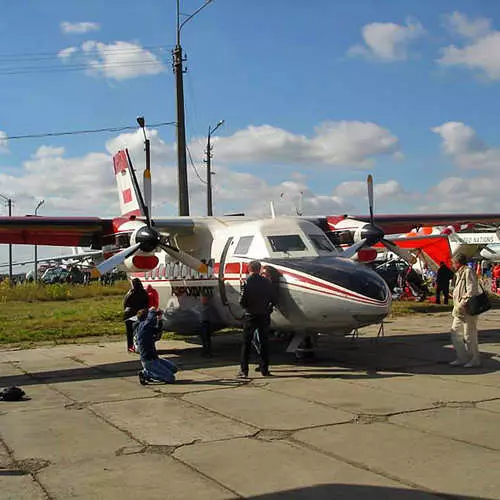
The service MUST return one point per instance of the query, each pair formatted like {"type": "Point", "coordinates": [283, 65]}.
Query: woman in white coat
{"type": "Point", "coordinates": [464, 326]}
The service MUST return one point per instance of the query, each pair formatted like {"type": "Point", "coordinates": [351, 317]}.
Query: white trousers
{"type": "Point", "coordinates": [464, 338]}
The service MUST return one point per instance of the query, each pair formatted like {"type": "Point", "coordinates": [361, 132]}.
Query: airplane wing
{"type": "Point", "coordinates": [435, 248]}
{"type": "Point", "coordinates": [402, 223]}
{"type": "Point", "coordinates": [55, 231]}
{"type": "Point", "coordinates": [77, 231]}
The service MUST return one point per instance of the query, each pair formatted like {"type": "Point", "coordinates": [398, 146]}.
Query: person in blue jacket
{"type": "Point", "coordinates": [154, 368]}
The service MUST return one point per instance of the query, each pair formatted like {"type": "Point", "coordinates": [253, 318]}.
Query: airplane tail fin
{"type": "Point", "coordinates": [127, 193]}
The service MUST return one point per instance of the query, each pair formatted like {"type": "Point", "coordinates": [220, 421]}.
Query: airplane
{"type": "Point", "coordinates": [320, 287]}
{"type": "Point", "coordinates": [78, 255]}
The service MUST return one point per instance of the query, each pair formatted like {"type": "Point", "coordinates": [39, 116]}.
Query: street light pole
{"type": "Point", "coordinates": [147, 173]}
{"type": "Point", "coordinates": [178, 61]}
{"type": "Point", "coordinates": [40, 203]}
{"type": "Point", "coordinates": [9, 204]}
{"type": "Point", "coordinates": [208, 161]}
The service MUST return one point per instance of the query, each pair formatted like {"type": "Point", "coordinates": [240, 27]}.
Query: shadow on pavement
{"type": "Point", "coordinates": [354, 492]}
{"type": "Point", "coordinates": [340, 358]}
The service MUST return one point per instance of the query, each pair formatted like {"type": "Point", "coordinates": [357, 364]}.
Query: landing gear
{"type": "Point", "coordinates": [303, 345]}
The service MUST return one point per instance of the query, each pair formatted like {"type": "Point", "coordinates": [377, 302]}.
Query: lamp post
{"type": "Point", "coordinates": [40, 203]}
{"type": "Point", "coordinates": [147, 172]}
{"type": "Point", "coordinates": [178, 61]}
{"type": "Point", "coordinates": [208, 159]}
{"type": "Point", "coordinates": [9, 204]}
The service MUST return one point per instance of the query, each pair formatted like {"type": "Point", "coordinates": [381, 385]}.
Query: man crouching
{"type": "Point", "coordinates": [155, 369]}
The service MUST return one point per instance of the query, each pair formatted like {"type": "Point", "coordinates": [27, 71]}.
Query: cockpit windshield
{"type": "Point", "coordinates": [321, 243]}
{"type": "Point", "coordinates": [287, 243]}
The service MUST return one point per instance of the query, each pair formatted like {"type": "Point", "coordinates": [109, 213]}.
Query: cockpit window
{"type": "Point", "coordinates": [321, 242]}
{"type": "Point", "coordinates": [287, 243]}
{"type": "Point", "coordinates": [243, 245]}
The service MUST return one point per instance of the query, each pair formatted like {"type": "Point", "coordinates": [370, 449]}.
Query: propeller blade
{"type": "Point", "coordinates": [116, 259]}
{"type": "Point", "coordinates": [369, 182]}
{"type": "Point", "coordinates": [351, 251]}
{"type": "Point", "coordinates": [185, 258]}
{"type": "Point", "coordinates": [147, 192]}
{"type": "Point", "coordinates": [403, 253]}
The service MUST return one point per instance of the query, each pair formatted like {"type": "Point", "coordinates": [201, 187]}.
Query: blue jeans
{"type": "Point", "coordinates": [159, 369]}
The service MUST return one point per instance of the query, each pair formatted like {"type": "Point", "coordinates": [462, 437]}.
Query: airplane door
{"type": "Point", "coordinates": [229, 287]}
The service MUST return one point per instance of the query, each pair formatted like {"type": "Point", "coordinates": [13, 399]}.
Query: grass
{"type": "Point", "coordinates": [32, 314]}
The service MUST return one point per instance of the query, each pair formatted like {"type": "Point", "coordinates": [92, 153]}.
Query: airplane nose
{"type": "Point", "coordinates": [343, 273]}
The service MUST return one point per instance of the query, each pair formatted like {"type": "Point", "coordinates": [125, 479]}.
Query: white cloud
{"type": "Point", "coordinates": [66, 53]}
{"type": "Point", "coordinates": [342, 143]}
{"type": "Point", "coordinates": [481, 50]}
{"type": "Point", "coordinates": [387, 41]}
{"type": "Point", "coordinates": [460, 24]}
{"type": "Point", "coordinates": [4, 147]}
{"type": "Point", "coordinates": [79, 28]}
{"type": "Point", "coordinates": [466, 149]}
{"type": "Point", "coordinates": [463, 195]}
{"type": "Point", "coordinates": [115, 61]}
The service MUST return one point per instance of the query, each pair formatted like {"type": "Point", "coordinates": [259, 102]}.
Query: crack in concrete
{"type": "Point", "coordinates": [29, 466]}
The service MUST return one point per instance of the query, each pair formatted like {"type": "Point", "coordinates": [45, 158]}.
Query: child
{"type": "Point", "coordinates": [155, 369]}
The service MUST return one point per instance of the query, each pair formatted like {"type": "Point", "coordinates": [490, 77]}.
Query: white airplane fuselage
{"type": "Point", "coordinates": [318, 290]}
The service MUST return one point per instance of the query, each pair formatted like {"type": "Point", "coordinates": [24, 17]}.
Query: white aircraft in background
{"type": "Point", "coordinates": [320, 287]}
{"type": "Point", "coordinates": [78, 255]}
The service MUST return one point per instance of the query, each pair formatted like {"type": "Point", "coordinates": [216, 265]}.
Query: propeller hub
{"type": "Point", "coordinates": [372, 233]}
{"type": "Point", "coordinates": [148, 238]}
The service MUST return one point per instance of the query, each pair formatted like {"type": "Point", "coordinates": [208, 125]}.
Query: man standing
{"type": "Point", "coordinates": [258, 300]}
{"type": "Point", "coordinates": [466, 343]}
{"type": "Point", "coordinates": [443, 278]}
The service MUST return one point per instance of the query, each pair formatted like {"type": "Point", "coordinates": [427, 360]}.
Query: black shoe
{"type": "Point", "coordinates": [257, 369]}
{"type": "Point", "coordinates": [242, 374]}
{"type": "Point", "coordinates": [142, 378]}
{"type": "Point", "coordinates": [267, 373]}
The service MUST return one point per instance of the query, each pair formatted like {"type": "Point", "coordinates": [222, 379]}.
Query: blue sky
{"type": "Point", "coordinates": [315, 95]}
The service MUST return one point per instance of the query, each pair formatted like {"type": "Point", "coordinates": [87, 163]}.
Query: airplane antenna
{"type": "Point", "coordinates": [273, 213]}
{"type": "Point", "coordinates": [300, 208]}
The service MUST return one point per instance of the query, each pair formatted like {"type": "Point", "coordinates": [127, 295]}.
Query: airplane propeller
{"type": "Point", "coordinates": [372, 234]}
{"type": "Point", "coordinates": [146, 238]}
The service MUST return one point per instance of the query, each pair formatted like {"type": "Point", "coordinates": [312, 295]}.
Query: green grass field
{"type": "Point", "coordinates": [32, 314]}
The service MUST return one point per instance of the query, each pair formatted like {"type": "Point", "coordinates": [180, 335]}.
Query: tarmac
{"type": "Point", "coordinates": [372, 418]}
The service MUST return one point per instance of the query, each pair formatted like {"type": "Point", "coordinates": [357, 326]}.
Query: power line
{"type": "Point", "coordinates": [48, 55]}
{"type": "Point", "coordinates": [192, 164]}
{"type": "Point", "coordinates": [81, 132]}
{"type": "Point", "coordinates": [75, 67]}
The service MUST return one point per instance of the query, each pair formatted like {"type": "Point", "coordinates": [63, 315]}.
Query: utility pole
{"type": "Point", "coordinates": [208, 161]}
{"type": "Point", "coordinates": [178, 61]}
{"type": "Point", "coordinates": [9, 204]}
{"type": "Point", "coordinates": [40, 203]}
{"type": "Point", "coordinates": [146, 185]}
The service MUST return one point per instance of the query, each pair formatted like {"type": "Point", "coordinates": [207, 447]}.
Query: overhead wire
{"type": "Point", "coordinates": [193, 166]}
{"type": "Point", "coordinates": [16, 64]}
{"type": "Point", "coordinates": [81, 132]}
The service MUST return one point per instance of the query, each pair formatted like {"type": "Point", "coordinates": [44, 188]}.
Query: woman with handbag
{"type": "Point", "coordinates": [464, 325]}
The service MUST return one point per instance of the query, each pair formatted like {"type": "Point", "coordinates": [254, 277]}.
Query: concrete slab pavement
{"type": "Point", "coordinates": [368, 420]}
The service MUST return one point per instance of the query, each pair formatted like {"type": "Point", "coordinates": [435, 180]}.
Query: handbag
{"type": "Point", "coordinates": [479, 303]}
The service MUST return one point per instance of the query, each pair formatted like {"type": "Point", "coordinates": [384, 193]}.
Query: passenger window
{"type": "Point", "coordinates": [243, 245]}
{"type": "Point", "coordinates": [321, 242]}
{"type": "Point", "coordinates": [287, 243]}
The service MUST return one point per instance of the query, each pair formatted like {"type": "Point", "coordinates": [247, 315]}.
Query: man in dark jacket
{"type": "Point", "coordinates": [443, 277]}
{"type": "Point", "coordinates": [258, 300]}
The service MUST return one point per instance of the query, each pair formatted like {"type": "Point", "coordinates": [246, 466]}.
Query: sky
{"type": "Point", "coordinates": [314, 95]}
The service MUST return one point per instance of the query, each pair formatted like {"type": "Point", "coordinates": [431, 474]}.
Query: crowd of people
{"type": "Point", "coordinates": [142, 317]}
